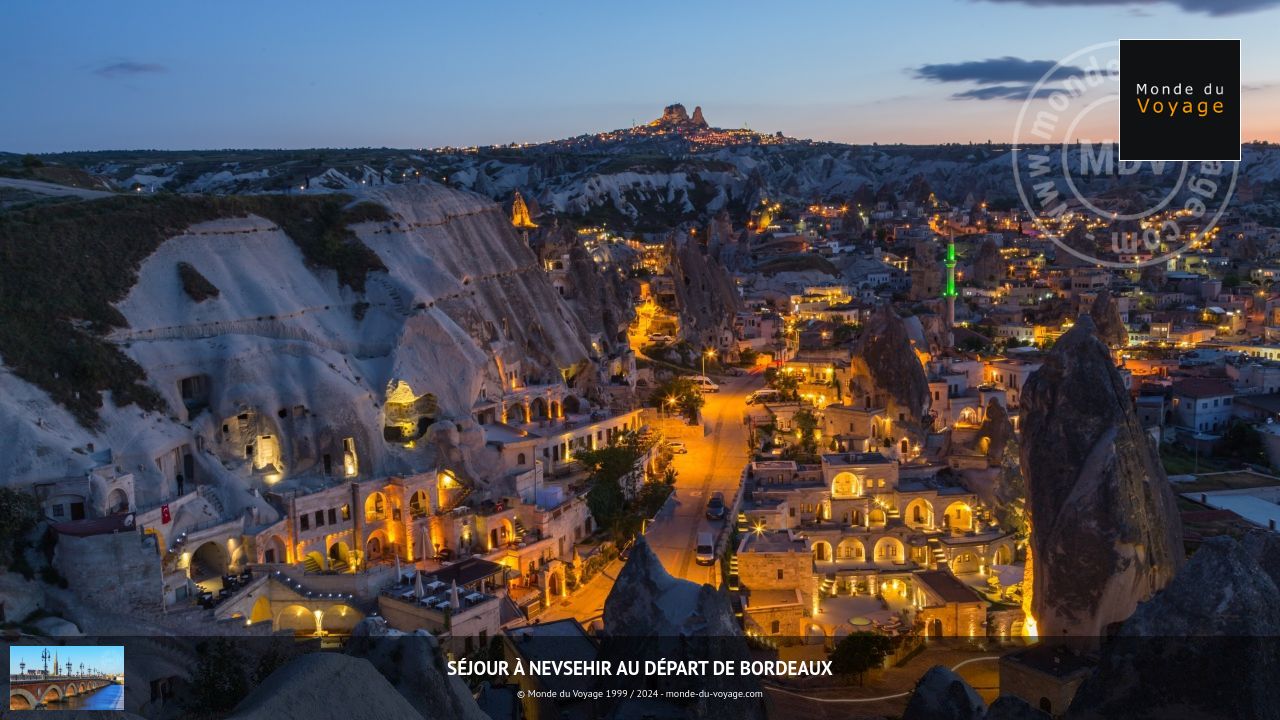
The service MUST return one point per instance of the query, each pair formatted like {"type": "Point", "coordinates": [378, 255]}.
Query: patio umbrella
{"type": "Point", "coordinates": [399, 577]}
{"type": "Point", "coordinates": [417, 585]}
{"type": "Point", "coordinates": [453, 595]}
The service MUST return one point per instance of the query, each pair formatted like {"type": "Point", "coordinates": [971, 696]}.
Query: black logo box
{"type": "Point", "coordinates": [1185, 64]}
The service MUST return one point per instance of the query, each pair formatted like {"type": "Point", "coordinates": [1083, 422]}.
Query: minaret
{"type": "Point", "coordinates": [55, 663]}
{"type": "Point", "coordinates": [950, 292]}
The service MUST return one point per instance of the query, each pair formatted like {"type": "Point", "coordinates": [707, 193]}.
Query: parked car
{"type": "Point", "coordinates": [715, 507]}
{"type": "Point", "coordinates": [765, 395]}
{"type": "Point", "coordinates": [706, 549]}
{"type": "Point", "coordinates": [659, 338]}
{"type": "Point", "coordinates": [676, 447]}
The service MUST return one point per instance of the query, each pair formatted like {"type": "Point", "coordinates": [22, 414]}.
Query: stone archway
{"type": "Point", "coordinates": [814, 634]}
{"type": "Point", "coordinates": [52, 694]}
{"type": "Point", "coordinates": [959, 516]}
{"type": "Point", "coordinates": [845, 485]}
{"type": "Point", "coordinates": [822, 551]}
{"type": "Point", "coordinates": [876, 518]}
{"type": "Point", "coordinates": [375, 507]}
{"type": "Point", "coordinates": [71, 690]}
{"type": "Point", "coordinates": [295, 618]}
{"type": "Point", "coordinates": [276, 551]}
{"type": "Point", "coordinates": [20, 699]}
{"type": "Point", "coordinates": [376, 545]}
{"type": "Point", "coordinates": [889, 549]}
{"type": "Point", "coordinates": [850, 549]}
{"type": "Point", "coordinates": [572, 404]}
{"type": "Point", "coordinates": [538, 409]}
{"type": "Point", "coordinates": [209, 561]}
{"type": "Point", "coordinates": [1003, 555]}
{"type": "Point", "coordinates": [341, 618]}
{"type": "Point", "coordinates": [117, 501]}
{"type": "Point", "coordinates": [261, 611]}
{"type": "Point", "coordinates": [419, 504]}
{"type": "Point", "coordinates": [919, 514]}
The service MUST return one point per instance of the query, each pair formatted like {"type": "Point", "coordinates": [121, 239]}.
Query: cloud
{"type": "Point", "coordinates": [1004, 78]}
{"type": "Point", "coordinates": [120, 68]}
{"type": "Point", "coordinates": [1001, 92]}
{"type": "Point", "coordinates": [1208, 7]}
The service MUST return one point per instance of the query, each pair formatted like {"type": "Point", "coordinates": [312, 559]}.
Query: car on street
{"type": "Point", "coordinates": [765, 395]}
{"type": "Point", "coordinates": [676, 447]}
{"type": "Point", "coordinates": [715, 507]}
{"type": "Point", "coordinates": [706, 549]}
{"type": "Point", "coordinates": [661, 339]}
{"type": "Point", "coordinates": [703, 383]}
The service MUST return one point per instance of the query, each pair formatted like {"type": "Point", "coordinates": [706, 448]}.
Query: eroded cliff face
{"type": "Point", "coordinates": [650, 615]}
{"type": "Point", "coordinates": [286, 368]}
{"type": "Point", "coordinates": [1105, 530]}
{"type": "Point", "coordinates": [884, 361]}
{"type": "Point", "coordinates": [1204, 647]}
{"type": "Point", "coordinates": [1106, 317]}
{"type": "Point", "coordinates": [705, 294]}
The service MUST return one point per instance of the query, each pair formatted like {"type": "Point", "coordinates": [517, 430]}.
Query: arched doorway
{"type": "Point", "coordinates": [1003, 555]}
{"type": "Point", "coordinates": [889, 549]}
{"type": "Point", "coordinates": [959, 516]}
{"type": "Point", "coordinates": [919, 514]}
{"type": "Point", "coordinates": [314, 562]}
{"type": "Point", "coordinates": [341, 619]}
{"type": "Point", "coordinates": [261, 611]}
{"type": "Point", "coordinates": [850, 549]}
{"type": "Point", "coordinates": [876, 518]}
{"type": "Point", "coordinates": [845, 484]}
{"type": "Point", "coordinates": [935, 628]}
{"type": "Point", "coordinates": [814, 635]}
{"type": "Point", "coordinates": [339, 556]}
{"type": "Point", "coordinates": [117, 501]}
{"type": "Point", "coordinates": [297, 619]}
{"type": "Point", "coordinates": [418, 504]}
{"type": "Point", "coordinates": [208, 562]}
{"type": "Point", "coordinates": [572, 404]}
{"type": "Point", "coordinates": [276, 551]}
{"type": "Point", "coordinates": [376, 546]}
{"type": "Point", "coordinates": [375, 507]}
{"type": "Point", "coordinates": [822, 551]}
{"type": "Point", "coordinates": [538, 409]}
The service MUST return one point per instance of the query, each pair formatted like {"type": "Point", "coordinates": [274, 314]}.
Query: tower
{"type": "Point", "coordinates": [950, 292]}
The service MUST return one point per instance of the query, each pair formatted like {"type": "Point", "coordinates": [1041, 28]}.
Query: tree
{"type": "Point", "coordinates": [859, 652]}
{"type": "Point", "coordinates": [19, 512]}
{"type": "Point", "coordinates": [679, 393]}
{"type": "Point", "coordinates": [1243, 443]}
{"type": "Point", "coordinates": [787, 384]}
{"type": "Point", "coordinates": [219, 683]}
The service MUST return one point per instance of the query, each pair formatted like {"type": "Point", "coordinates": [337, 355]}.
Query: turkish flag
{"type": "Point", "coordinates": [164, 514]}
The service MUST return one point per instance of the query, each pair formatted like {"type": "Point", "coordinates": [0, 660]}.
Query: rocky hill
{"type": "Point", "coordinates": [423, 307]}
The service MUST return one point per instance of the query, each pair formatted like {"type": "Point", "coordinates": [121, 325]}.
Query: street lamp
{"type": "Point", "coordinates": [710, 353]}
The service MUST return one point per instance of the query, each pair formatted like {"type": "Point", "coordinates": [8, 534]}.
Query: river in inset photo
{"type": "Point", "coordinates": [110, 697]}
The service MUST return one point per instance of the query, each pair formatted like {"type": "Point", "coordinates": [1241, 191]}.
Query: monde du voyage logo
{"type": "Point", "coordinates": [1158, 186]}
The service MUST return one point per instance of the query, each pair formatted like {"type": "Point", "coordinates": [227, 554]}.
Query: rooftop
{"type": "Point", "coordinates": [1202, 388]}
{"type": "Point", "coordinates": [867, 458]}
{"type": "Point", "coordinates": [944, 585]}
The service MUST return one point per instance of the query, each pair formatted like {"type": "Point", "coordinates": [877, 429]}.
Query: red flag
{"type": "Point", "coordinates": [164, 514]}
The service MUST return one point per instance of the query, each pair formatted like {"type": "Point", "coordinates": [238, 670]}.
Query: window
{"type": "Point", "coordinates": [779, 573]}
{"type": "Point", "coordinates": [58, 511]}
{"type": "Point", "coordinates": [775, 627]}
{"type": "Point", "coordinates": [319, 518]}
{"type": "Point", "coordinates": [346, 512]}
{"type": "Point", "coordinates": [333, 516]}
{"type": "Point", "coordinates": [304, 522]}
{"type": "Point", "coordinates": [520, 459]}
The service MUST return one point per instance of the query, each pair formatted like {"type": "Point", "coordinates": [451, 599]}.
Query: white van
{"type": "Point", "coordinates": [706, 550]}
{"type": "Point", "coordinates": [703, 383]}
{"type": "Point", "coordinates": [763, 396]}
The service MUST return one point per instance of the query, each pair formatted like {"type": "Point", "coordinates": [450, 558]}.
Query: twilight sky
{"type": "Point", "coordinates": [82, 75]}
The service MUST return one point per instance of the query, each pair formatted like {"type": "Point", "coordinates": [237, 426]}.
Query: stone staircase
{"type": "Point", "coordinates": [518, 530]}
{"type": "Point", "coordinates": [311, 565]}
{"type": "Point", "coordinates": [936, 553]}
{"type": "Point", "coordinates": [828, 587]}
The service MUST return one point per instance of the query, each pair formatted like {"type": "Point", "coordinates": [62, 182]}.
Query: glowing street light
{"type": "Point", "coordinates": [710, 353]}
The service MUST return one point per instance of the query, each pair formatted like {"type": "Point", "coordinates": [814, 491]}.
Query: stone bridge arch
{"type": "Point", "coordinates": [20, 699]}
{"type": "Point", "coordinates": [52, 693]}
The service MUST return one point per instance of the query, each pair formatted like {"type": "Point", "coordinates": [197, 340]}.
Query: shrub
{"type": "Point", "coordinates": [197, 286]}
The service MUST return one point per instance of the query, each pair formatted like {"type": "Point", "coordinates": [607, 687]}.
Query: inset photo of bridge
{"type": "Point", "coordinates": [66, 677]}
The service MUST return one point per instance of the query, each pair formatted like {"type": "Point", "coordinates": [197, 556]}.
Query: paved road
{"type": "Point", "coordinates": [717, 454]}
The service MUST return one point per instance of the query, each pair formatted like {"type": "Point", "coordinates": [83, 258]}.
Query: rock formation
{"type": "Point", "coordinates": [650, 615]}
{"type": "Point", "coordinates": [885, 362]}
{"type": "Point", "coordinates": [326, 686]}
{"type": "Point", "coordinates": [1105, 530]}
{"type": "Point", "coordinates": [1204, 647]}
{"type": "Point", "coordinates": [414, 665]}
{"type": "Point", "coordinates": [697, 120]}
{"type": "Point", "coordinates": [943, 695]}
{"type": "Point", "coordinates": [1106, 317]}
{"type": "Point", "coordinates": [988, 266]}
{"type": "Point", "coordinates": [706, 296]}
